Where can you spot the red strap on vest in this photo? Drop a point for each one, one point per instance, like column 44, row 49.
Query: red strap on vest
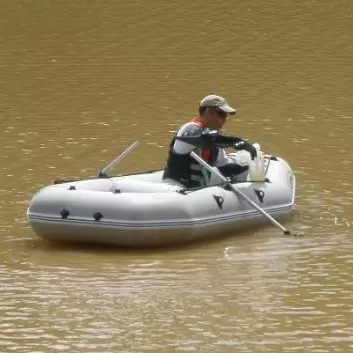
column 198, row 121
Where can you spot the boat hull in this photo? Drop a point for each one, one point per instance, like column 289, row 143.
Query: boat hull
column 140, row 211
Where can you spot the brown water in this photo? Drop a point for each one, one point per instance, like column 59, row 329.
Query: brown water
column 80, row 81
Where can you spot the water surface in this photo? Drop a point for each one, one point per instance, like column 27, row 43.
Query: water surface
column 81, row 81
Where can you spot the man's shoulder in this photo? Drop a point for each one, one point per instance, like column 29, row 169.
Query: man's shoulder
column 190, row 129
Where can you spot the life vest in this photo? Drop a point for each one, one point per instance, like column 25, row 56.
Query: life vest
column 184, row 169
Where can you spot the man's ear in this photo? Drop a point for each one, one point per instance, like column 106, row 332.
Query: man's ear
column 211, row 111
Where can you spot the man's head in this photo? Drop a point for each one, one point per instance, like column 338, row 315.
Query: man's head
column 214, row 110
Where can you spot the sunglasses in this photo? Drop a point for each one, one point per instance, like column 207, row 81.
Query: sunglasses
column 221, row 113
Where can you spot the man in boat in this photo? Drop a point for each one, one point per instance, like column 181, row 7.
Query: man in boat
column 202, row 135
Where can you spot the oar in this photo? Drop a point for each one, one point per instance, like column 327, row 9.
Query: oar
column 102, row 173
column 238, row 192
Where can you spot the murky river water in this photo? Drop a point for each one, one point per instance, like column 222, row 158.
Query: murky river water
column 81, row 81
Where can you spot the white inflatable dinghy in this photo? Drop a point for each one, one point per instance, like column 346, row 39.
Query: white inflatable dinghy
column 142, row 210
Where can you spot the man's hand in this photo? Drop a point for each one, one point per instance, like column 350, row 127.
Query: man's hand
column 243, row 145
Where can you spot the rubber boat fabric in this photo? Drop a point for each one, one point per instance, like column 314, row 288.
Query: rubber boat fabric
column 142, row 210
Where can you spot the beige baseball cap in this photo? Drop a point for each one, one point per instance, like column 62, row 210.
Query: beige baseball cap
column 219, row 102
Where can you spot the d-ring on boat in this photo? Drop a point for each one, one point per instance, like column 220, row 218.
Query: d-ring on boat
column 142, row 210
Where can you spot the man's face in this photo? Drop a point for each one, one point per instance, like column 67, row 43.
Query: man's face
column 216, row 118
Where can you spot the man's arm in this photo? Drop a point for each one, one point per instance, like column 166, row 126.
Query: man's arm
column 188, row 129
column 209, row 138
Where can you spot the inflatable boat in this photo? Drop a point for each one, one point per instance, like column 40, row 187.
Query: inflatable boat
column 142, row 210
